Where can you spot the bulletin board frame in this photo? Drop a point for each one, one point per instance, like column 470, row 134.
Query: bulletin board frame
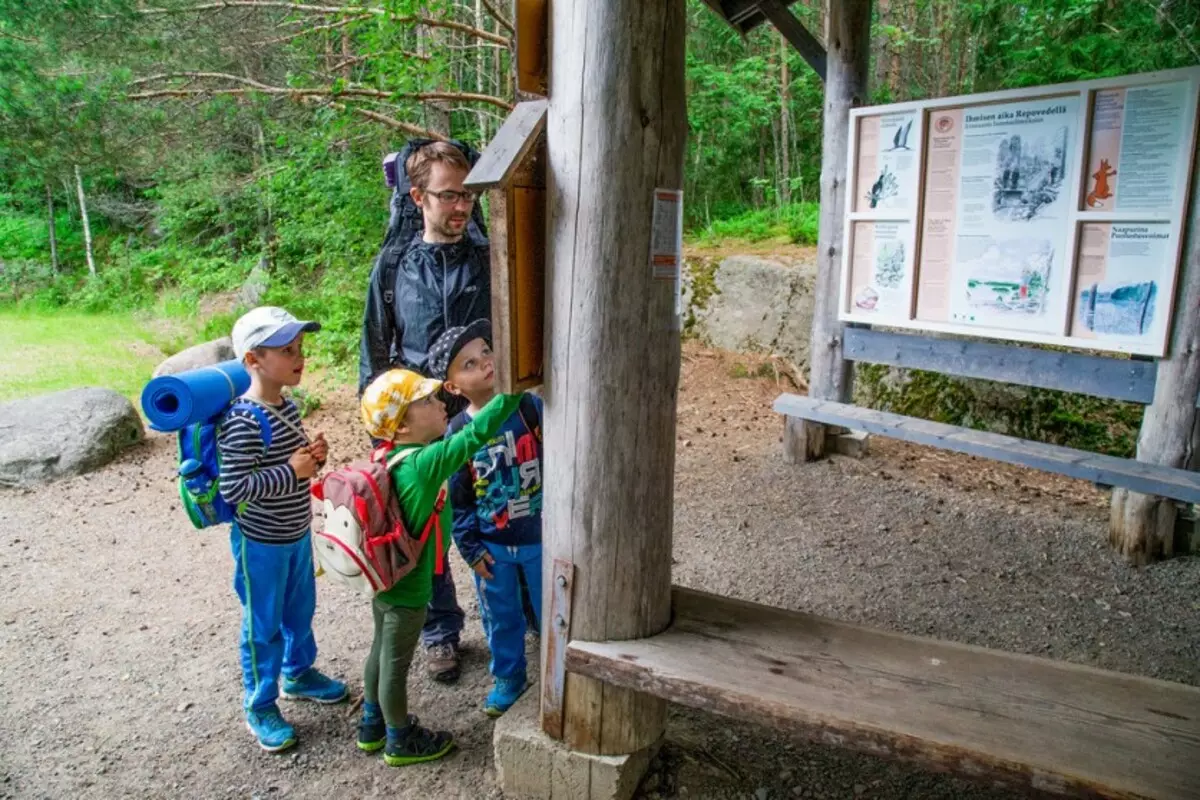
column 949, row 230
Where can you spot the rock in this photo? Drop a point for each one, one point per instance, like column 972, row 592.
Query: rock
column 64, row 434
column 201, row 355
column 255, row 288
column 752, row 304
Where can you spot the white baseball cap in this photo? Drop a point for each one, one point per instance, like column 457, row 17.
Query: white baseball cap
column 267, row 326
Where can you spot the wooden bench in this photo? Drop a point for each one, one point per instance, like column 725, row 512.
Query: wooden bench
column 1138, row 476
column 1028, row 722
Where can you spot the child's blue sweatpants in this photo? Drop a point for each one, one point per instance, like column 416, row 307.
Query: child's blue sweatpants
column 500, row 605
column 278, row 590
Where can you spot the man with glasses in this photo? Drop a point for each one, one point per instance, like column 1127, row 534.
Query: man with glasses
column 441, row 281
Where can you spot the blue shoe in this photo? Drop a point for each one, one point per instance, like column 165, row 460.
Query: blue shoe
column 271, row 729
column 372, row 730
column 312, row 685
column 504, row 693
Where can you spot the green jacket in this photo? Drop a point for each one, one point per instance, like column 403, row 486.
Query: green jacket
column 417, row 480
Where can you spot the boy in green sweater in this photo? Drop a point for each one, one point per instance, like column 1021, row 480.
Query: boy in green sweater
column 402, row 407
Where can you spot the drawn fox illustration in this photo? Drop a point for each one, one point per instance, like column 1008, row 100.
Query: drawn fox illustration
column 1102, row 191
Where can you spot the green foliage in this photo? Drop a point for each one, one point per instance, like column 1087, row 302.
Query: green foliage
column 46, row 352
column 796, row 222
column 1073, row 420
column 189, row 193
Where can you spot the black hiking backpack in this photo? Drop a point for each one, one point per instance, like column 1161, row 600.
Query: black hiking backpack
column 406, row 220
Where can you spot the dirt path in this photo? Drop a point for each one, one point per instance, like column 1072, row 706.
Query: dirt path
column 118, row 672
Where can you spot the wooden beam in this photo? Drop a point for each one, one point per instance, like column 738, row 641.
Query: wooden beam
column 1106, row 470
column 848, row 49
column 795, row 32
column 509, row 147
column 1099, row 376
column 613, row 355
column 1141, row 527
column 1030, row 724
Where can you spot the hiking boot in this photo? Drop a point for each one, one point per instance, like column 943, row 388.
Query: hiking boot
column 413, row 744
column 372, row 730
column 442, row 662
column 504, row 693
column 312, row 685
column 271, row 729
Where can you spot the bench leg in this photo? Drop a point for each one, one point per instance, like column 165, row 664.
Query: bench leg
column 803, row 441
column 1141, row 527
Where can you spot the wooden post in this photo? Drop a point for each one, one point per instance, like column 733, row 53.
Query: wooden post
column 616, row 131
column 848, row 62
column 1142, row 527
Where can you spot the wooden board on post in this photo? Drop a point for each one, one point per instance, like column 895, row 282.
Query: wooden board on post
column 512, row 170
column 533, row 25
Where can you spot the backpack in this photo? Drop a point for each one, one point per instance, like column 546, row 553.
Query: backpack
column 199, row 467
column 359, row 535
column 406, row 220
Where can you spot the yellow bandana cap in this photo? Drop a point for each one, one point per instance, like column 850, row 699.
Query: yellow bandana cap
column 388, row 397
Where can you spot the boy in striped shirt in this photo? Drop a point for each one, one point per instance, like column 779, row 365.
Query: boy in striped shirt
column 270, row 539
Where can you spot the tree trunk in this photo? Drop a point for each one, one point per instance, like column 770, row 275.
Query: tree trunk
column 1142, row 527
column 883, row 58
column 785, row 126
column 52, row 229
column 613, row 344
column 87, row 228
column 848, row 66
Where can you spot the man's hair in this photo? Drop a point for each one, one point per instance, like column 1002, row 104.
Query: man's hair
column 421, row 162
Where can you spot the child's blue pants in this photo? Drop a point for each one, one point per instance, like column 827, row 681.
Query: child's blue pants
column 278, row 590
column 500, row 605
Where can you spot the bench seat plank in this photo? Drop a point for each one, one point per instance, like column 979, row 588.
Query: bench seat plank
column 1028, row 722
column 1138, row 476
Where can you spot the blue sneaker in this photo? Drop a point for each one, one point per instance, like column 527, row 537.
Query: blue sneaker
column 312, row 685
column 271, row 729
column 504, row 693
column 372, row 730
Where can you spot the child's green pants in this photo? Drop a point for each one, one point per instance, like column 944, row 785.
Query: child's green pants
column 385, row 677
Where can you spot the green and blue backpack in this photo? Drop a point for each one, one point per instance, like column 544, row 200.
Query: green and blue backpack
column 200, row 466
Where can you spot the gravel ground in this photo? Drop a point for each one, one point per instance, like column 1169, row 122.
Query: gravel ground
column 118, row 672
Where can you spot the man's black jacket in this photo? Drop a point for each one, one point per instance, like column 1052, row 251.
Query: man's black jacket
column 436, row 286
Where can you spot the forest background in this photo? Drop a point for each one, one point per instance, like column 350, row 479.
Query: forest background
column 155, row 153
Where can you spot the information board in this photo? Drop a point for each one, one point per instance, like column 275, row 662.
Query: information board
column 1052, row 214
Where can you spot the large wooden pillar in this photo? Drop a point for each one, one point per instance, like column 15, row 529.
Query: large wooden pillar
column 1142, row 527
column 848, row 60
column 616, row 131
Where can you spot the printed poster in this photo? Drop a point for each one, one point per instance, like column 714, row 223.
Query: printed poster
column 941, row 204
column 1134, row 153
column 1125, row 274
column 1014, row 191
column 888, row 154
column 881, row 268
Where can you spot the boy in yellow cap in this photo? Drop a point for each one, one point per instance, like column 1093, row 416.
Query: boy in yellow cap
column 403, row 408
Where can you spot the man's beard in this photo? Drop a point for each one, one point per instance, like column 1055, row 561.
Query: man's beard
column 449, row 231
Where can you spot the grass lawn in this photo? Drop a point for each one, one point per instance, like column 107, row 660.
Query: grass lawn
column 44, row 352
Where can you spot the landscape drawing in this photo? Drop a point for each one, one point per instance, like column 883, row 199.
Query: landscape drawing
column 1029, row 175
column 1122, row 310
column 1011, row 277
